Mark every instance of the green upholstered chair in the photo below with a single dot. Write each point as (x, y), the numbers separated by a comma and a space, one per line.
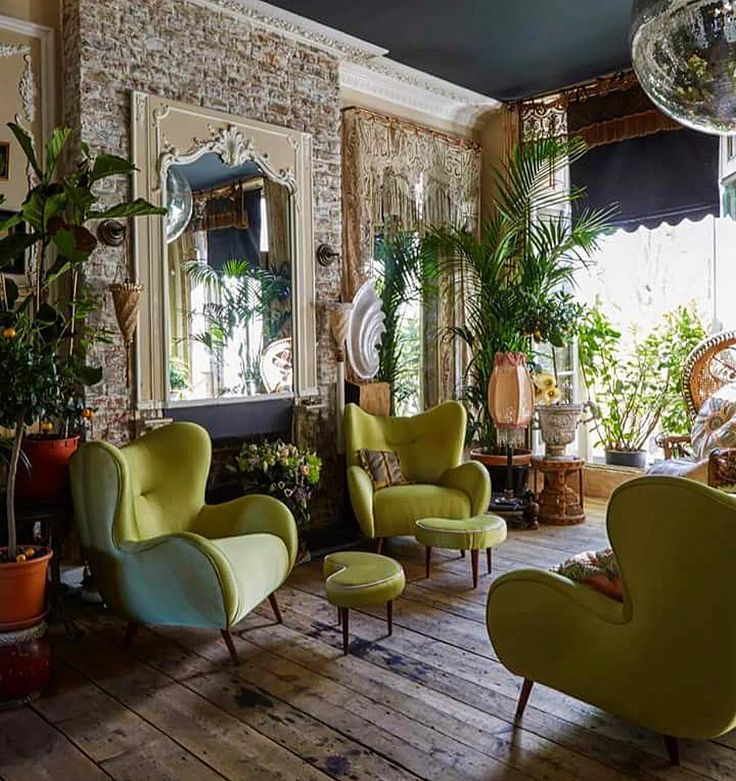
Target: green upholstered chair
(158, 553)
(430, 448)
(665, 658)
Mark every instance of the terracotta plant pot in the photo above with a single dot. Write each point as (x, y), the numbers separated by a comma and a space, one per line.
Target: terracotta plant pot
(632, 458)
(23, 592)
(496, 464)
(25, 665)
(48, 475)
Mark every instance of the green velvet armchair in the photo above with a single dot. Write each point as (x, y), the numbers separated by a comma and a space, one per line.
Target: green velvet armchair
(665, 658)
(158, 553)
(430, 448)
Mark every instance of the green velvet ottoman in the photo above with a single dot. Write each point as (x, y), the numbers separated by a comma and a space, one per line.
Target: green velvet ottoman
(357, 579)
(473, 534)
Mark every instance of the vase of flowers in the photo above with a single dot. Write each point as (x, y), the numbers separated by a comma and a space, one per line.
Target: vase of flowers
(558, 422)
(284, 471)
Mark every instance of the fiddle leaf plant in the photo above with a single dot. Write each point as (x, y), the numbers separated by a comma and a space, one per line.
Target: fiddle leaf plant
(44, 333)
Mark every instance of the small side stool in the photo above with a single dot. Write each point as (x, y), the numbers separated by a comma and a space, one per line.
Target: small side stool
(483, 532)
(358, 579)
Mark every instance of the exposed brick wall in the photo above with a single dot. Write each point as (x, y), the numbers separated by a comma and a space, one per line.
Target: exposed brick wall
(183, 52)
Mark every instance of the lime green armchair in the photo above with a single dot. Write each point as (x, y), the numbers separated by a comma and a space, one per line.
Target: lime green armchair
(430, 448)
(158, 553)
(665, 658)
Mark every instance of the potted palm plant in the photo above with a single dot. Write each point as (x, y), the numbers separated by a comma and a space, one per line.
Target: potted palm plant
(519, 269)
(45, 336)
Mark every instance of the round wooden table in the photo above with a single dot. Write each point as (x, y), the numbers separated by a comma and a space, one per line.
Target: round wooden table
(559, 503)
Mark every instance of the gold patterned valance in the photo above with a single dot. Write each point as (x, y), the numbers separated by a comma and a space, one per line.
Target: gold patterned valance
(398, 171)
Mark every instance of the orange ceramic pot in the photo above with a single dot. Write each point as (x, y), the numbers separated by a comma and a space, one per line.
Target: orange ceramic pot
(46, 476)
(23, 592)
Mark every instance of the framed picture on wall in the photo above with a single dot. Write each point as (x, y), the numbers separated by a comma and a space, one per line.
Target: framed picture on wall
(4, 160)
(19, 265)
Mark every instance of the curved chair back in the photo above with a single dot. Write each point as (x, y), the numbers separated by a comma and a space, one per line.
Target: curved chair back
(675, 541)
(427, 444)
(710, 366)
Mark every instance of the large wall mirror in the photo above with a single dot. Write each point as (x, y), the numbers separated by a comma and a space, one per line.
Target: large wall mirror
(229, 314)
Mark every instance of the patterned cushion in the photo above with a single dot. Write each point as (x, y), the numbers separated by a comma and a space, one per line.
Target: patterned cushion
(383, 466)
(598, 569)
(714, 426)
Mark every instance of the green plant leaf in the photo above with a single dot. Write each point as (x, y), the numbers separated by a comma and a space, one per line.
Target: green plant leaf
(137, 208)
(88, 375)
(14, 245)
(74, 242)
(110, 165)
(26, 142)
(54, 148)
(58, 269)
(10, 222)
(53, 206)
(33, 208)
(79, 199)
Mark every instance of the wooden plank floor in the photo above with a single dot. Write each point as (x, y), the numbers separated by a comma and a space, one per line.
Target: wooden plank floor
(430, 702)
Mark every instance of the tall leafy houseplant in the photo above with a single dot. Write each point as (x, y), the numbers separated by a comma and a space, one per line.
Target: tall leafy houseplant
(45, 336)
(406, 277)
(520, 267)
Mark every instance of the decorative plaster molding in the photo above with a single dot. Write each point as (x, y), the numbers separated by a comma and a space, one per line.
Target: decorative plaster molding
(364, 67)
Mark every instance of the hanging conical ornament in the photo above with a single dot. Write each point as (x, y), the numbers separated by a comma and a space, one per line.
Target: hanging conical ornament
(126, 297)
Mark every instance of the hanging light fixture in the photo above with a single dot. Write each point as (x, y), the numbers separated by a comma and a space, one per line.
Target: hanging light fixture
(684, 55)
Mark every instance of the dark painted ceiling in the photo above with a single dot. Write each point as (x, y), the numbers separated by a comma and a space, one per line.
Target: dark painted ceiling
(502, 48)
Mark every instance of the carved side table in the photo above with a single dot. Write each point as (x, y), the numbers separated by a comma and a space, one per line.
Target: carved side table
(559, 503)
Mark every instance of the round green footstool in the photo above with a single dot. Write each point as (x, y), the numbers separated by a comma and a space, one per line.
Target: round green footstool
(473, 534)
(357, 579)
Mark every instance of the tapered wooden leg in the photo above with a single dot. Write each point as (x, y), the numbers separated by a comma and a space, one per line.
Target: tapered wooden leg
(345, 630)
(228, 638)
(130, 632)
(526, 690)
(379, 545)
(462, 553)
(339, 616)
(673, 749)
(474, 565)
(390, 617)
(428, 561)
(489, 559)
(275, 607)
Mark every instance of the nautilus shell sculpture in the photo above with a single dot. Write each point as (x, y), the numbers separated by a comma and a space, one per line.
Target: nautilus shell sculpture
(365, 332)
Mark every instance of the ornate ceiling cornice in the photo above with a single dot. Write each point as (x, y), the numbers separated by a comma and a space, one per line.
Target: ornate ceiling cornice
(364, 67)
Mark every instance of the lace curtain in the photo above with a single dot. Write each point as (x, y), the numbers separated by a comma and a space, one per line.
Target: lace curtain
(399, 173)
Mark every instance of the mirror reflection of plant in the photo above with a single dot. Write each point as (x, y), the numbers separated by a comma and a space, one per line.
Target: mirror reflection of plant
(44, 333)
(635, 390)
(406, 277)
(240, 294)
(520, 267)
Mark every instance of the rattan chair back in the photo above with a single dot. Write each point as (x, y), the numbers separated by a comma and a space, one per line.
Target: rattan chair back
(710, 366)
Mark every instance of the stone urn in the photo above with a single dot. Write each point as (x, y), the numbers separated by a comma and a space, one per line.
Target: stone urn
(558, 424)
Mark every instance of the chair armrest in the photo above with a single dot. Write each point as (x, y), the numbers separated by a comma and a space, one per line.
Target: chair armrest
(674, 446)
(252, 514)
(173, 579)
(360, 488)
(472, 478)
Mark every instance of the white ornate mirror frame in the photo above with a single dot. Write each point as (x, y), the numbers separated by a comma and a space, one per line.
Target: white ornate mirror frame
(167, 132)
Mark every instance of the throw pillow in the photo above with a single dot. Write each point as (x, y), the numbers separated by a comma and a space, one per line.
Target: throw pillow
(714, 427)
(383, 466)
(597, 569)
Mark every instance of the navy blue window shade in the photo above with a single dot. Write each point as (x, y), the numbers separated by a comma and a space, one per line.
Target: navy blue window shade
(665, 177)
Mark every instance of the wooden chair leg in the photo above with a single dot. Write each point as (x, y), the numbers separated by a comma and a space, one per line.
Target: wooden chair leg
(489, 559)
(275, 607)
(428, 561)
(462, 553)
(345, 630)
(526, 690)
(130, 632)
(228, 638)
(474, 565)
(339, 616)
(390, 617)
(379, 545)
(673, 749)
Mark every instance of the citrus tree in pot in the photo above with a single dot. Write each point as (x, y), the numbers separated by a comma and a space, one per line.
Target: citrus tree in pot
(44, 334)
(518, 271)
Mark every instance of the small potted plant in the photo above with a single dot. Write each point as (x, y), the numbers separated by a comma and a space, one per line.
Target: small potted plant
(558, 418)
(284, 471)
(44, 339)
